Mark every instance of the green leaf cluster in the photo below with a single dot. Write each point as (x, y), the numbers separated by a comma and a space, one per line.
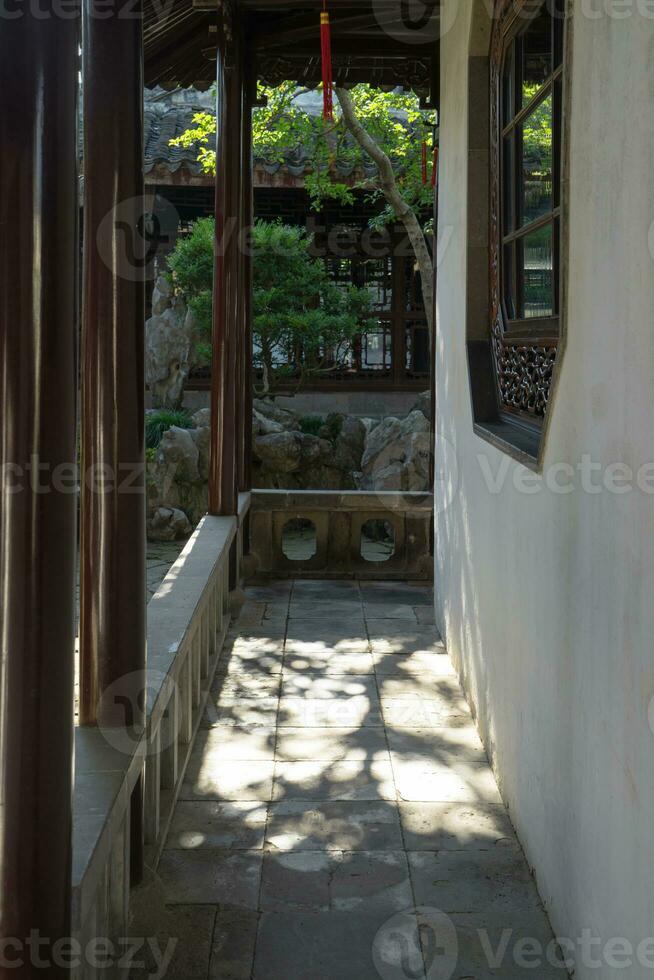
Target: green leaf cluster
(394, 119)
(302, 323)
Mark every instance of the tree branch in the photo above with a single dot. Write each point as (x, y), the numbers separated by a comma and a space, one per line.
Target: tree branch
(403, 211)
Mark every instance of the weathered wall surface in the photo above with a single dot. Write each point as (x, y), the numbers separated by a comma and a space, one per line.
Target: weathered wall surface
(547, 598)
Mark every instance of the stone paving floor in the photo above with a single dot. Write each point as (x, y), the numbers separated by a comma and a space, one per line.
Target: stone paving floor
(339, 819)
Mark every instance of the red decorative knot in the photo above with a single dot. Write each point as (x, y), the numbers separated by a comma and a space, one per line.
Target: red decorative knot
(327, 76)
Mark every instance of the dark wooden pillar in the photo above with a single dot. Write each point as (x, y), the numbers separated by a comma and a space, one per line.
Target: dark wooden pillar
(112, 613)
(223, 476)
(247, 217)
(113, 588)
(38, 498)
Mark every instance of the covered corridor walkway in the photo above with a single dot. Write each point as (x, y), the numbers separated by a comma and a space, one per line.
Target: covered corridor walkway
(336, 797)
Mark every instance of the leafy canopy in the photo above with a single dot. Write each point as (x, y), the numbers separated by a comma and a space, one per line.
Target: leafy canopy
(302, 323)
(393, 119)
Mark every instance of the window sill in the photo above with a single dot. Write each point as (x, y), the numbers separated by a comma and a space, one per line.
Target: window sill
(516, 440)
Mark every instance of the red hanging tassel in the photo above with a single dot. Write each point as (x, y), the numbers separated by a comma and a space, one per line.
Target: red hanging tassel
(434, 169)
(424, 162)
(327, 77)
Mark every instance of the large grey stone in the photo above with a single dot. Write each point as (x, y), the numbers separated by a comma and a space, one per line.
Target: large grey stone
(170, 339)
(397, 454)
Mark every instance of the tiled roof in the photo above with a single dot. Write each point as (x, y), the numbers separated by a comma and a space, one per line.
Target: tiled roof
(169, 114)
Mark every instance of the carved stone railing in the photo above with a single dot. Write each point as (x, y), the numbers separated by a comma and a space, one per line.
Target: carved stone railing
(338, 519)
(187, 621)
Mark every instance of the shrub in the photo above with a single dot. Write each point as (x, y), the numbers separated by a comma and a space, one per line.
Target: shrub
(311, 424)
(156, 423)
(303, 324)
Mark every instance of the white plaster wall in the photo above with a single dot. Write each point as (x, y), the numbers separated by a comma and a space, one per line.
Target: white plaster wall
(546, 599)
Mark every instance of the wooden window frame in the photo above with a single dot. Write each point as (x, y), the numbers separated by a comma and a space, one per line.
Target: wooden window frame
(525, 349)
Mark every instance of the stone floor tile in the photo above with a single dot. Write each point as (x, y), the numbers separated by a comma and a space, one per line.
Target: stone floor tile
(351, 744)
(203, 824)
(484, 954)
(459, 747)
(245, 686)
(337, 880)
(473, 881)
(276, 590)
(397, 611)
(324, 946)
(330, 712)
(263, 638)
(226, 878)
(351, 826)
(329, 686)
(455, 826)
(213, 746)
(391, 636)
(224, 712)
(186, 932)
(208, 780)
(232, 948)
(252, 664)
(317, 781)
(319, 660)
(295, 880)
(419, 781)
(425, 615)
(370, 881)
(310, 630)
(425, 686)
(325, 591)
(250, 615)
(414, 713)
(315, 635)
(413, 664)
(397, 593)
(346, 610)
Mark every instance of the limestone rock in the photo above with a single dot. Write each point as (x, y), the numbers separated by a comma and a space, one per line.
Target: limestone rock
(169, 347)
(286, 452)
(268, 408)
(423, 404)
(181, 453)
(202, 418)
(396, 455)
(161, 295)
(168, 524)
(349, 445)
(262, 425)
(201, 436)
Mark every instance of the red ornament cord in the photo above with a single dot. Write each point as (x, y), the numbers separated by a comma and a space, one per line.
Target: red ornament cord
(327, 77)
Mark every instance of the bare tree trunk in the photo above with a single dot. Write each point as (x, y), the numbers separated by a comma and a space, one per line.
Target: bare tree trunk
(403, 211)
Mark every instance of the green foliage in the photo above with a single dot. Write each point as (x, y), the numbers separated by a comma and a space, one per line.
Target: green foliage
(326, 428)
(156, 423)
(393, 119)
(302, 323)
(311, 424)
